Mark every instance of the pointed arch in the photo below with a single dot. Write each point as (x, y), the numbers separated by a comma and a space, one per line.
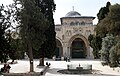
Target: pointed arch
(78, 46)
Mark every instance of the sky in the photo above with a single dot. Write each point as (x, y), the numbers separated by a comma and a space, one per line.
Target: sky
(84, 7)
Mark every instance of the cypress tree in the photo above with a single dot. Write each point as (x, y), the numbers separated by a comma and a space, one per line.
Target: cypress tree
(103, 12)
(48, 47)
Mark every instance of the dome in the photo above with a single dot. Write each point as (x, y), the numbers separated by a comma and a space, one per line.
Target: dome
(73, 14)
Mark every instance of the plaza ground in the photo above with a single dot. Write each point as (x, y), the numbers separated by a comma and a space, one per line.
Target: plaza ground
(23, 67)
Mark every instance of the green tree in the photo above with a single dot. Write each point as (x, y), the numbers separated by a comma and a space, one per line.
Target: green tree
(114, 17)
(12, 49)
(15, 51)
(32, 27)
(101, 29)
(95, 43)
(9, 25)
(4, 43)
(117, 48)
(113, 57)
(48, 47)
(103, 12)
(110, 24)
(107, 43)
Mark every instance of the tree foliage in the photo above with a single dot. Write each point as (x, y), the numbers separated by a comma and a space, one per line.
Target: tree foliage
(107, 43)
(111, 23)
(95, 43)
(8, 25)
(47, 8)
(32, 23)
(113, 57)
(117, 48)
(103, 12)
(32, 27)
(5, 24)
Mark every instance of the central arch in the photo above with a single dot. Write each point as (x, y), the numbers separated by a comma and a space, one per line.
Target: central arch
(78, 49)
(78, 46)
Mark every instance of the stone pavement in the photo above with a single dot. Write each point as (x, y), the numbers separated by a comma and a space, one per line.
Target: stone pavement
(23, 67)
(96, 65)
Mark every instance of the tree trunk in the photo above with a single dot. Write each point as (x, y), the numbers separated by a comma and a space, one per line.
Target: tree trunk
(41, 61)
(30, 56)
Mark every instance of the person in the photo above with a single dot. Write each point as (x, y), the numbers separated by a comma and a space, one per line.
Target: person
(8, 68)
(47, 63)
(5, 68)
(2, 70)
(66, 59)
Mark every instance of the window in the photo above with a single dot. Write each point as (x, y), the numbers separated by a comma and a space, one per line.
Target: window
(76, 23)
(82, 23)
(88, 32)
(72, 23)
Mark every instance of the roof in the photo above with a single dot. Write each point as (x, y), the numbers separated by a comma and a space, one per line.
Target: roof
(73, 14)
(79, 17)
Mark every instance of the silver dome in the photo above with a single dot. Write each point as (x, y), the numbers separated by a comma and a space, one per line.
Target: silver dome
(73, 14)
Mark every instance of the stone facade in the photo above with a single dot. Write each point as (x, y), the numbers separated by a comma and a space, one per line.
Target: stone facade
(72, 35)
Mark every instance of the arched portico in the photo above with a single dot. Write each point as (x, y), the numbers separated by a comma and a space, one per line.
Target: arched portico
(59, 48)
(78, 46)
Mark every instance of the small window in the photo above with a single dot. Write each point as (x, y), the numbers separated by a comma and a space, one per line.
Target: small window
(72, 23)
(76, 23)
(88, 32)
(82, 23)
(63, 37)
(65, 23)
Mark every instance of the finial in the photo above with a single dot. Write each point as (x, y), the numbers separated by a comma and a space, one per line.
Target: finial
(73, 8)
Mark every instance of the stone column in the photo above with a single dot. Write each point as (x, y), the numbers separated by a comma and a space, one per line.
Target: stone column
(65, 52)
(88, 52)
(91, 53)
(68, 48)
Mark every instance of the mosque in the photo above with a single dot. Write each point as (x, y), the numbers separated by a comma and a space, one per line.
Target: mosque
(72, 36)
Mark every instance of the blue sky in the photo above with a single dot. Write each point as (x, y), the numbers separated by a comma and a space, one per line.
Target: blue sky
(84, 7)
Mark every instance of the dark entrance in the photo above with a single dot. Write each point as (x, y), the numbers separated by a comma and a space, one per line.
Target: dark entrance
(58, 51)
(78, 49)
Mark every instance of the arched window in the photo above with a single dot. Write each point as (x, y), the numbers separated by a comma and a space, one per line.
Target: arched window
(63, 37)
(72, 23)
(88, 32)
(68, 32)
(76, 23)
(65, 23)
(82, 23)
